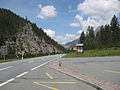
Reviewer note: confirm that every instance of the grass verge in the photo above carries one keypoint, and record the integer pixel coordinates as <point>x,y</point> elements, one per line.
<point>115,51</point>
<point>9,60</point>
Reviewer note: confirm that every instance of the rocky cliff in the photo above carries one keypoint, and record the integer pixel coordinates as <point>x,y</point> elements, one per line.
<point>27,38</point>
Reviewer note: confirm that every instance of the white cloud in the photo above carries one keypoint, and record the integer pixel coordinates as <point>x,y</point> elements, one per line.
<point>98,12</point>
<point>47,12</point>
<point>74,24</point>
<point>85,23</point>
<point>66,38</point>
<point>78,17</point>
<point>60,39</point>
<point>50,33</point>
<point>100,9</point>
<point>91,22</point>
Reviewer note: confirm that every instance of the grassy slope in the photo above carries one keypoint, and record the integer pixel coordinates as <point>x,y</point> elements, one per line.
<point>95,53</point>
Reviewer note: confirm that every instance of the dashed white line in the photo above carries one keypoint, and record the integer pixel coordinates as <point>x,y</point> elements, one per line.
<point>6,82</point>
<point>39,66</point>
<point>21,74</point>
<point>6,68</point>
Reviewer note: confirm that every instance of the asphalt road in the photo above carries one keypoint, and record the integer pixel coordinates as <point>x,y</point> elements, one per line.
<point>34,74</point>
<point>103,68</point>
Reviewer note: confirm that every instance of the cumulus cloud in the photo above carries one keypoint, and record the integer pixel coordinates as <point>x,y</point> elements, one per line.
<point>91,22</point>
<point>74,24</point>
<point>85,23</point>
<point>78,17</point>
<point>100,9</point>
<point>66,38</point>
<point>61,39</point>
<point>50,33</point>
<point>98,12</point>
<point>46,12</point>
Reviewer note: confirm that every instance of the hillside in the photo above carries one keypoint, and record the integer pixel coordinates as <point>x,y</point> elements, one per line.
<point>69,45</point>
<point>24,38</point>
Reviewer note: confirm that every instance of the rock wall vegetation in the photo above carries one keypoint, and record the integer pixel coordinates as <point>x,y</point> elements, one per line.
<point>24,38</point>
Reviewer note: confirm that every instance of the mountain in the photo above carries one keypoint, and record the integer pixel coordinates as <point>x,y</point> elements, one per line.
<point>97,30</point>
<point>69,45</point>
<point>24,38</point>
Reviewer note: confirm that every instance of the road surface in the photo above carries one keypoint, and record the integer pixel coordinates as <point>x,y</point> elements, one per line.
<point>35,74</point>
<point>103,68</point>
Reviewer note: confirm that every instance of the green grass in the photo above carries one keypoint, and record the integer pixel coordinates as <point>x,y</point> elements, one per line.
<point>9,60</point>
<point>115,51</point>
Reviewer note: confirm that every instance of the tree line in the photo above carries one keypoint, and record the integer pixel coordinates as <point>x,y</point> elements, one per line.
<point>106,36</point>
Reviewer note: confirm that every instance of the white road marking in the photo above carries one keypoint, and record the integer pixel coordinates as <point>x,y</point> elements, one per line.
<point>7,82</point>
<point>40,65</point>
<point>6,68</point>
<point>21,74</point>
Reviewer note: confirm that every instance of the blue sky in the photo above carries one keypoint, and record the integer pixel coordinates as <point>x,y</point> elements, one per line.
<point>64,20</point>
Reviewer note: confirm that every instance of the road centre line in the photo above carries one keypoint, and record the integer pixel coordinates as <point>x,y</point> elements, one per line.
<point>6,68</point>
<point>6,82</point>
<point>25,73</point>
<point>42,84</point>
<point>46,86</point>
<point>49,75</point>
<point>112,71</point>
<point>40,65</point>
<point>57,82</point>
<point>21,74</point>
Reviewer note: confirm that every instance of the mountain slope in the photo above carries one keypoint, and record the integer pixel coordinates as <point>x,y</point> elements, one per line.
<point>69,45</point>
<point>24,38</point>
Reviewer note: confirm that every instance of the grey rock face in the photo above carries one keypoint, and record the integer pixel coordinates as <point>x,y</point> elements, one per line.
<point>27,42</point>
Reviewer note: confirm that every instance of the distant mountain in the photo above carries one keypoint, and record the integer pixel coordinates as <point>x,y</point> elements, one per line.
<point>97,30</point>
<point>69,45</point>
<point>24,38</point>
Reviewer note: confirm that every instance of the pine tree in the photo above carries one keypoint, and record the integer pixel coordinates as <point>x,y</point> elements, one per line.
<point>115,29</point>
<point>82,37</point>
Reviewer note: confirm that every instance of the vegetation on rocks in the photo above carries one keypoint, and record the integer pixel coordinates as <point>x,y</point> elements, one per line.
<point>24,38</point>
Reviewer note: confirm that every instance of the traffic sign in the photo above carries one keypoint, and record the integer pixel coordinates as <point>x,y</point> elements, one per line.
<point>4,50</point>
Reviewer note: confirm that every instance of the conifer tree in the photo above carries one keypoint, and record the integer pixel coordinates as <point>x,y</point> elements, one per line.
<point>82,37</point>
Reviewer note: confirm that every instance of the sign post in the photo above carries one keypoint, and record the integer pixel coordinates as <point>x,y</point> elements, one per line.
<point>4,51</point>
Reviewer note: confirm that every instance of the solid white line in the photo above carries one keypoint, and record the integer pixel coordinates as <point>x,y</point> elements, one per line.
<point>6,68</point>
<point>21,74</point>
<point>7,82</point>
<point>40,65</point>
